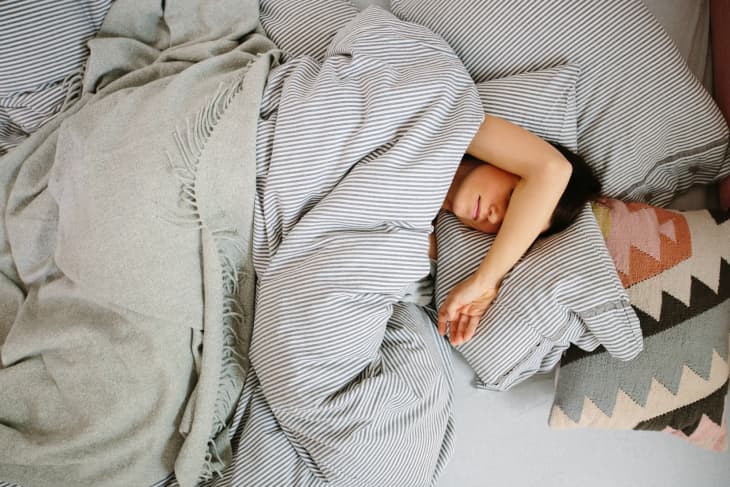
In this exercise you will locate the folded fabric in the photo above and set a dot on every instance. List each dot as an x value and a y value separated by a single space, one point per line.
543 102
645 123
304 27
676 268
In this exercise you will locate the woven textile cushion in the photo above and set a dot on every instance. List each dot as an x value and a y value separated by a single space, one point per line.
645 123
676 269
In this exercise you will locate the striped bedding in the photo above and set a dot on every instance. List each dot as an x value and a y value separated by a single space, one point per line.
41 59
645 123
564 290
348 385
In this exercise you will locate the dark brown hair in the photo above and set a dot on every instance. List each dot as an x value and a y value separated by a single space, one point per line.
583 187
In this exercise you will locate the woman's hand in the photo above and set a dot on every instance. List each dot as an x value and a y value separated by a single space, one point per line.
463 308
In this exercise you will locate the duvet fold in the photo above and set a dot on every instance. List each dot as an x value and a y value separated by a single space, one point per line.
355 156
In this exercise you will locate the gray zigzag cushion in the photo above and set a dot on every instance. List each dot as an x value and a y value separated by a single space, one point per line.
676 268
645 123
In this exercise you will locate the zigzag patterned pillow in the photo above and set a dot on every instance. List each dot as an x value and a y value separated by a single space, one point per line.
676 269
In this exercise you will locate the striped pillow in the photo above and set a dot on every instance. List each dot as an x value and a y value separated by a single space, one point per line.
43 51
542 102
676 268
564 290
304 27
645 123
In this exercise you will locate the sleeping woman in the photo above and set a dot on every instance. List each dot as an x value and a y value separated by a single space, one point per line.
515 184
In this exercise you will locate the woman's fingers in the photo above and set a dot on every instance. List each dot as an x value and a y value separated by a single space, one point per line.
460 313
457 335
442 323
445 317
463 328
471 327
455 330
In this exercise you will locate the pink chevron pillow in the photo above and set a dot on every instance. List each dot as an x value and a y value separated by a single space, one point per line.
676 269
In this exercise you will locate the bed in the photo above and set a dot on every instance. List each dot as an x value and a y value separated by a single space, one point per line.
236 419
522 450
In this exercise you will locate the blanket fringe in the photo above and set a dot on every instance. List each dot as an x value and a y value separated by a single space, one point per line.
190 143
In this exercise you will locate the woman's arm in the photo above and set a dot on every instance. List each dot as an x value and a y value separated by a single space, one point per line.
544 175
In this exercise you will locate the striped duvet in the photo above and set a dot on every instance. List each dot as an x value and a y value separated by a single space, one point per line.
349 385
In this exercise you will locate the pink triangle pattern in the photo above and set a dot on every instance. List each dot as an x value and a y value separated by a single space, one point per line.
643 240
708 435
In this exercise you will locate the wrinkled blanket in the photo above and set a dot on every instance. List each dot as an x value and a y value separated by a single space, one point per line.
349 386
125 232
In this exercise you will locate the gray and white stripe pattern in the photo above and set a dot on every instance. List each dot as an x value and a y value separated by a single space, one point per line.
264 457
358 154
542 102
564 290
42 53
645 124
304 27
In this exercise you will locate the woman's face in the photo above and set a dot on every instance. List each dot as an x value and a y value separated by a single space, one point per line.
479 194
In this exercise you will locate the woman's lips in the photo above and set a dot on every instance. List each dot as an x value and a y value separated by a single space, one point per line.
475 211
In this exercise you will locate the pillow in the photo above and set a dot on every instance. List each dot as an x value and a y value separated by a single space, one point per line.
542 102
564 290
676 268
44 50
304 27
645 123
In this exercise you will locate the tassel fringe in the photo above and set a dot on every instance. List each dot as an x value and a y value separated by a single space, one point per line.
190 143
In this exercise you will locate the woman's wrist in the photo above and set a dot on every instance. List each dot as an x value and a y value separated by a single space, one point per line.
487 279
